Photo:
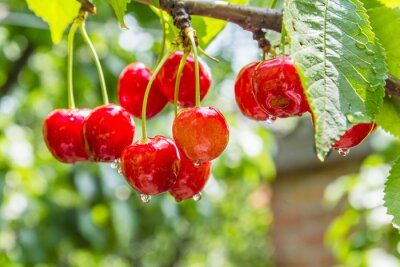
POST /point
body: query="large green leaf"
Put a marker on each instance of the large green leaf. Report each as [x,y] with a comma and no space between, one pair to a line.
[119,7]
[391,3]
[342,68]
[392,196]
[57,13]
[389,116]
[386,24]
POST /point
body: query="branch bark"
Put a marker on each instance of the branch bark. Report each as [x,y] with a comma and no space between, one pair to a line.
[250,19]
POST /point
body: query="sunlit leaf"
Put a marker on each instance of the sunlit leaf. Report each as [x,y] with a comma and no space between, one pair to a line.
[392,196]
[389,116]
[391,3]
[119,7]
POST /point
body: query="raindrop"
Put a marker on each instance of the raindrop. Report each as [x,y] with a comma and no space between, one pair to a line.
[361,45]
[145,198]
[196,164]
[120,171]
[370,52]
[271,119]
[343,151]
[354,117]
[197,197]
[115,164]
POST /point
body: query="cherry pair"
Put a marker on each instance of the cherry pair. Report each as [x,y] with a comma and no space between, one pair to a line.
[135,77]
[99,135]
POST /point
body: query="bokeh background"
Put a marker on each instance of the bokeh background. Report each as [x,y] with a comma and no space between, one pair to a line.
[269,201]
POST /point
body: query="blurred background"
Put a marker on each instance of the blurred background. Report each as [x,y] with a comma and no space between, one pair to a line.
[269,201]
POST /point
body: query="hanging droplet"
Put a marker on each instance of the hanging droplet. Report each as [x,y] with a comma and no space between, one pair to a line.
[115,164]
[271,119]
[197,197]
[343,151]
[145,198]
[120,171]
[196,164]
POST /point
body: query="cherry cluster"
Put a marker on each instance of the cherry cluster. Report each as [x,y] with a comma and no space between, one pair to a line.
[151,165]
[272,89]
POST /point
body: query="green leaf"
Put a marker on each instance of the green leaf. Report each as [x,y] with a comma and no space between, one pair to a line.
[57,13]
[386,25]
[119,7]
[390,3]
[389,116]
[392,196]
[340,63]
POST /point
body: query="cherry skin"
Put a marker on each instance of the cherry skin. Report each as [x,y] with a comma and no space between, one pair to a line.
[132,86]
[201,133]
[107,131]
[151,167]
[62,133]
[191,179]
[278,89]
[354,136]
[244,94]
[187,90]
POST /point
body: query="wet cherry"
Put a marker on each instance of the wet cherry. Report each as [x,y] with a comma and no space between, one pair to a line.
[132,86]
[187,91]
[245,96]
[278,89]
[191,179]
[151,167]
[354,136]
[62,132]
[107,131]
[201,133]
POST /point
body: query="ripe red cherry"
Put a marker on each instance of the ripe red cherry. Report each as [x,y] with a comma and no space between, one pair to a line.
[151,167]
[191,179]
[187,90]
[201,133]
[132,86]
[354,136]
[62,132]
[278,89]
[107,131]
[244,94]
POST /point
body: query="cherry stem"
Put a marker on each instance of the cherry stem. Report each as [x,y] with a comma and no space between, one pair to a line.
[70,63]
[196,66]
[164,37]
[147,92]
[96,61]
[207,55]
[178,81]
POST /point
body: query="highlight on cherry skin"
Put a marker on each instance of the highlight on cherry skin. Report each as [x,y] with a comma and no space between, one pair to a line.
[187,89]
[62,133]
[244,94]
[278,89]
[201,133]
[132,85]
[107,131]
[192,178]
[151,166]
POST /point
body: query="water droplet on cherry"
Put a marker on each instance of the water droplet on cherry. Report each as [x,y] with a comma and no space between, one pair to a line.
[271,119]
[197,197]
[343,151]
[196,164]
[115,164]
[145,198]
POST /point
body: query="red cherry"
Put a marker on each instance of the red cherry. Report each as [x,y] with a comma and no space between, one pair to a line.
[132,86]
[151,167]
[107,131]
[191,178]
[187,90]
[244,94]
[201,133]
[354,136]
[62,132]
[278,89]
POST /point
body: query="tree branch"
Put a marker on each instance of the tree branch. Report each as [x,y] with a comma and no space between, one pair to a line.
[250,19]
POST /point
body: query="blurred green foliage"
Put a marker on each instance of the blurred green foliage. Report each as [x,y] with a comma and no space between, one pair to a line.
[53,214]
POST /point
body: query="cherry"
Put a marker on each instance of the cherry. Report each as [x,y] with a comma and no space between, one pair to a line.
[107,131]
[354,136]
[151,167]
[62,132]
[187,91]
[244,94]
[278,89]
[191,178]
[132,86]
[201,133]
